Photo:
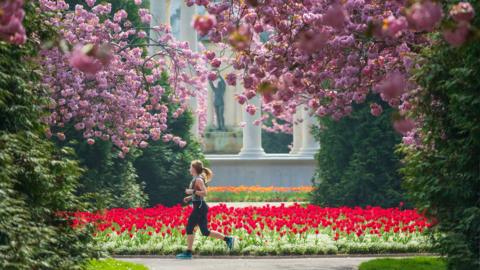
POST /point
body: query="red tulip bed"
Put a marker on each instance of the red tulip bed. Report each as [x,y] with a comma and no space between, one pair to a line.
[263,230]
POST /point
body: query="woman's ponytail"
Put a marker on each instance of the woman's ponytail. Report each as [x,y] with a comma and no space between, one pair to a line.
[207,174]
[204,172]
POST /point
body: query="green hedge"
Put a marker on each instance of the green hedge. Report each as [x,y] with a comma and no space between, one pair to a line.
[37,180]
[276,142]
[108,181]
[443,176]
[357,165]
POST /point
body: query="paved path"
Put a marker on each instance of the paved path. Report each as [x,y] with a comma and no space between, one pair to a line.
[342,263]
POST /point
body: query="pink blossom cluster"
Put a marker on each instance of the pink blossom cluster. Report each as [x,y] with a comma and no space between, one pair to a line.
[327,54]
[316,53]
[107,86]
[461,13]
[11,18]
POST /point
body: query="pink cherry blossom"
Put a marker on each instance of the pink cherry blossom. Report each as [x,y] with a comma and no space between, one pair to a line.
[231,79]
[304,58]
[251,109]
[120,16]
[392,86]
[457,36]
[241,99]
[80,59]
[182,144]
[395,26]
[167,137]
[210,55]
[204,23]
[90,3]
[404,125]
[335,16]
[216,63]
[462,12]
[408,140]
[240,38]
[11,18]
[376,109]
[424,15]
[107,88]
[212,76]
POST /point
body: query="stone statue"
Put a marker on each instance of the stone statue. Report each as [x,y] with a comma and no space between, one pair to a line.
[218,102]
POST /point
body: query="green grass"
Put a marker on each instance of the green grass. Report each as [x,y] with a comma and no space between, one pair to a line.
[111,264]
[418,263]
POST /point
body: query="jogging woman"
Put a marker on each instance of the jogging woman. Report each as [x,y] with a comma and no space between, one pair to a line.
[197,191]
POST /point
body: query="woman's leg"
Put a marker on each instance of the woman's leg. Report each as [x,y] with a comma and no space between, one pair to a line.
[228,239]
[190,239]
[203,224]
[192,222]
[217,235]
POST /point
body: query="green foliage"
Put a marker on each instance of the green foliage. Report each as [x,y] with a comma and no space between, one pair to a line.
[443,176]
[37,180]
[356,162]
[276,142]
[108,181]
[111,264]
[164,167]
[418,263]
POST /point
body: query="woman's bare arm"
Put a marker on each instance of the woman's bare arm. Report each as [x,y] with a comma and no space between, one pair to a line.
[201,189]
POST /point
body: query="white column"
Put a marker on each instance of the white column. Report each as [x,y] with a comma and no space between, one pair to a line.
[309,145]
[187,33]
[252,134]
[297,131]
[160,11]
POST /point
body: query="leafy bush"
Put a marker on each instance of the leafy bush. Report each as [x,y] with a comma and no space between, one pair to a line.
[443,176]
[276,142]
[37,180]
[108,181]
[357,165]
